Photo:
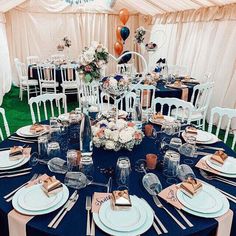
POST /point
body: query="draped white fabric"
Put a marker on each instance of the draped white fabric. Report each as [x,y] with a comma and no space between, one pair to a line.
[5,68]
[203,47]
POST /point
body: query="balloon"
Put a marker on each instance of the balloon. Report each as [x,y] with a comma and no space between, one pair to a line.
[125,58]
[118,46]
[124,32]
[118,29]
[124,15]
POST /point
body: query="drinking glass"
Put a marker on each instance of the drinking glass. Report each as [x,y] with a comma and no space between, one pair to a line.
[71,157]
[63,137]
[42,146]
[53,150]
[53,122]
[188,149]
[170,165]
[123,170]
[168,128]
[86,165]
[175,143]
[185,172]
[151,183]
[74,127]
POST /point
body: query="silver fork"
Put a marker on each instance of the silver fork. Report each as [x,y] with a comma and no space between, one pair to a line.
[88,208]
[214,177]
[12,193]
[159,204]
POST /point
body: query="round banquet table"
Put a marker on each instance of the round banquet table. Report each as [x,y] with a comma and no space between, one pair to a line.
[74,222]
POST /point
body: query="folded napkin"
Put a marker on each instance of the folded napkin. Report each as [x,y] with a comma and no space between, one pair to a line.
[203,165]
[191,187]
[18,152]
[36,128]
[219,158]
[51,186]
[158,116]
[120,200]
[191,130]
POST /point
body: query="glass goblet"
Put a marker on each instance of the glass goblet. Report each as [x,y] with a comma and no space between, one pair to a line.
[185,172]
[123,169]
[53,150]
[152,183]
[71,157]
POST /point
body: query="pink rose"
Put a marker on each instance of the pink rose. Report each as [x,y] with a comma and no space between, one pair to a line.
[137,135]
[88,68]
[131,124]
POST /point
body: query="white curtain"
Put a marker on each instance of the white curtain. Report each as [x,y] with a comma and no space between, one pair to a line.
[5,68]
[203,47]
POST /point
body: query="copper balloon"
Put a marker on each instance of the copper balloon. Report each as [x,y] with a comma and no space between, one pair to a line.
[118,36]
[124,15]
[118,46]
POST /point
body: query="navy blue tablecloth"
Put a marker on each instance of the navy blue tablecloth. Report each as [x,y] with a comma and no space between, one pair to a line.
[75,221]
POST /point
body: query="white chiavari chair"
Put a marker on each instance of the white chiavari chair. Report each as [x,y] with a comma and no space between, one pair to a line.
[47,102]
[5,125]
[183,109]
[218,115]
[47,78]
[32,60]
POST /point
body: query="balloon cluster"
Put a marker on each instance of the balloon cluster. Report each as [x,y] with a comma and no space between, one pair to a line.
[122,31]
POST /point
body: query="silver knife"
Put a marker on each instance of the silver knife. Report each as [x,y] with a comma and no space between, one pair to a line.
[15,171]
[212,148]
[71,204]
[63,209]
[14,175]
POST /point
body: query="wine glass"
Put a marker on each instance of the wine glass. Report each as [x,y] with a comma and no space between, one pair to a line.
[43,146]
[86,165]
[53,150]
[71,157]
[185,172]
[123,170]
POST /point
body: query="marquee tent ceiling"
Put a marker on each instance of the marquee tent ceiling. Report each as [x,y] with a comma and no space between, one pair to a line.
[150,7]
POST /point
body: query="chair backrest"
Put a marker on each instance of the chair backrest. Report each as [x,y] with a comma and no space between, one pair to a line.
[125,69]
[183,109]
[46,73]
[67,73]
[106,101]
[31,60]
[56,57]
[147,95]
[221,113]
[49,102]
[21,70]
[201,96]
[177,70]
[7,131]
[89,92]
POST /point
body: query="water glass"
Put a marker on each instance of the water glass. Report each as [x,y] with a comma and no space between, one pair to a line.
[74,127]
[63,138]
[76,180]
[188,149]
[42,146]
[123,169]
[53,150]
[71,157]
[185,172]
[86,165]
[168,128]
[175,143]
[57,165]
[152,184]
[53,122]
[171,163]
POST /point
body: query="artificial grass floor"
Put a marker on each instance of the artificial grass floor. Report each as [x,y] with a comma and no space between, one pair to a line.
[18,112]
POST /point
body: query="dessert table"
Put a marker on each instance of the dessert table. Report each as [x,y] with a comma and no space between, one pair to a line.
[74,222]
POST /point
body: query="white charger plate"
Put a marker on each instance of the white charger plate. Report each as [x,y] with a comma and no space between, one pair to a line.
[34,199]
[208,200]
[229,166]
[219,213]
[161,121]
[18,208]
[203,136]
[25,132]
[5,161]
[125,220]
[148,223]
[205,158]
[212,140]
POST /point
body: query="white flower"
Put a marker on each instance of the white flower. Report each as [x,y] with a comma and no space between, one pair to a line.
[97,141]
[111,125]
[114,135]
[89,56]
[120,124]
[125,136]
[109,145]
[107,133]
[82,60]
[95,130]
[94,44]
[113,83]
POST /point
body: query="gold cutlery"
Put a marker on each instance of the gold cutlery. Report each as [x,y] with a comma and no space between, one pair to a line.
[50,225]
[159,205]
[88,208]
[14,175]
[69,207]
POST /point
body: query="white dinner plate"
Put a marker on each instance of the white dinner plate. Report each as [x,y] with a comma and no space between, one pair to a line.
[219,173]
[5,161]
[229,166]
[203,136]
[219,213]
[161,121]
[212,140]
[121,113]
[34,199]
[25,131]
[147,224]
[208,200]
[64,117]
[17,207]
[126,220]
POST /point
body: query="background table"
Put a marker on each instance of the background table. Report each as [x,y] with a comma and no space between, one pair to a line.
[75,221]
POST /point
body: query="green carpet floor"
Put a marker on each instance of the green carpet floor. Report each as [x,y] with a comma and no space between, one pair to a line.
[18,112]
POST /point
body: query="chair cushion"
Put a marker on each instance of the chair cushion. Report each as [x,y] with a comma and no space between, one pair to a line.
[50,85]
[70,85]
[30,82]
[181,113]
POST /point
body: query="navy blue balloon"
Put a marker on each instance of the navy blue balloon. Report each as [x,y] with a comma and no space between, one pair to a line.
[124,33]
[125,58]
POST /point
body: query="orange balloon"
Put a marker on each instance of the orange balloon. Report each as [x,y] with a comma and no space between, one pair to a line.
[118,36]
[124,15]
[118,46]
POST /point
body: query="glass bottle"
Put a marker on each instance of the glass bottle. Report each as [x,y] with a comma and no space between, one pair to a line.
[137,114]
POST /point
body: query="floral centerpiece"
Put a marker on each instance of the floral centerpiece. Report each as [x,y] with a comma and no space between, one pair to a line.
[116,135]
[115,85]
[92,60]
[139,35]
[67,42]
